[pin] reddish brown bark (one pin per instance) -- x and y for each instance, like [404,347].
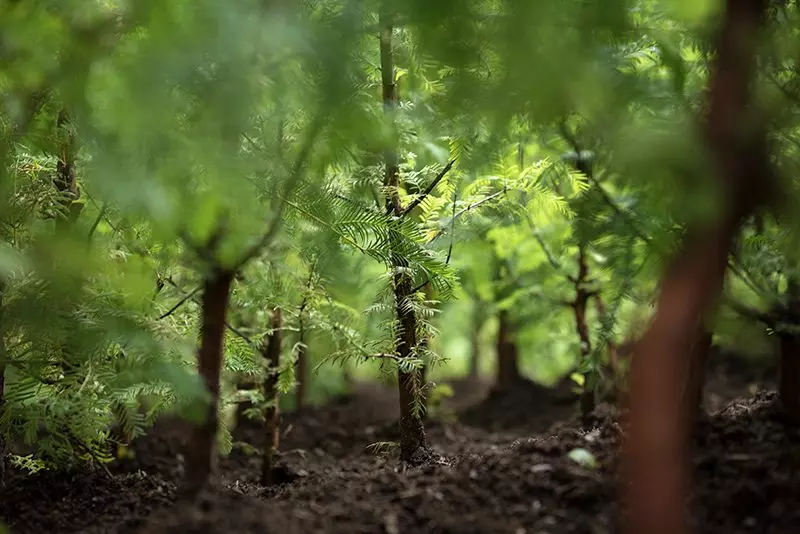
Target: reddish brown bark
[201,457]
[271,351]
[789,357]
[656,446]
[507,366]
[413,441]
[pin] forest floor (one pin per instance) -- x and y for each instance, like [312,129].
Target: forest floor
[505,469]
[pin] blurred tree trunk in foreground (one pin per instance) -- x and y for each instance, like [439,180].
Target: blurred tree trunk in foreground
[656,456]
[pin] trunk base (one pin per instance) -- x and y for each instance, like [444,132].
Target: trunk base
[508,374]
[201,458]
[413,442]
[588,403]
[201,453]
[694,383]
[272,435]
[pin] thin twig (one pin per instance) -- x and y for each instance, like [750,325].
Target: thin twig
[310,215]
[294,177]
[468,208]
[769,319]
[630,220]
[91,452]
[550,258]
[205,252]
[180,303]
[417,201]
[452,226]
[738,269]
[96,222]
[230,327]
[239,333]
[384,355]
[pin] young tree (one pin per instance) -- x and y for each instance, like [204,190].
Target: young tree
[201,458]
[413,442]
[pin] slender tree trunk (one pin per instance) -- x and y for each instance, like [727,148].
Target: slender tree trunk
[413,442]
[412,431]
[656,457]
[508,373]
[656,445]
[694,383]
[2,381]
[789,362]
[587,398]
[66,181]
[271,351]
[201,455]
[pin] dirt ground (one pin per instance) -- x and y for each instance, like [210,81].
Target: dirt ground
[505,469]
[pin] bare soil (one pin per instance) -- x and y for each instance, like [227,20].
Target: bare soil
[505,469]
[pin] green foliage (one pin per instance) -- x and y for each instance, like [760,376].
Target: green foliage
[259,129]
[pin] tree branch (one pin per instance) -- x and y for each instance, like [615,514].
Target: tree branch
[769,319]
[180,303]
[294,177]
[100,215]
[550,258]
[417,201]
[468,208]
[629,218]
[452,225]
[230,327]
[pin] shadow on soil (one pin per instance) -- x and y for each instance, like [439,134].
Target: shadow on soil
[507,471]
